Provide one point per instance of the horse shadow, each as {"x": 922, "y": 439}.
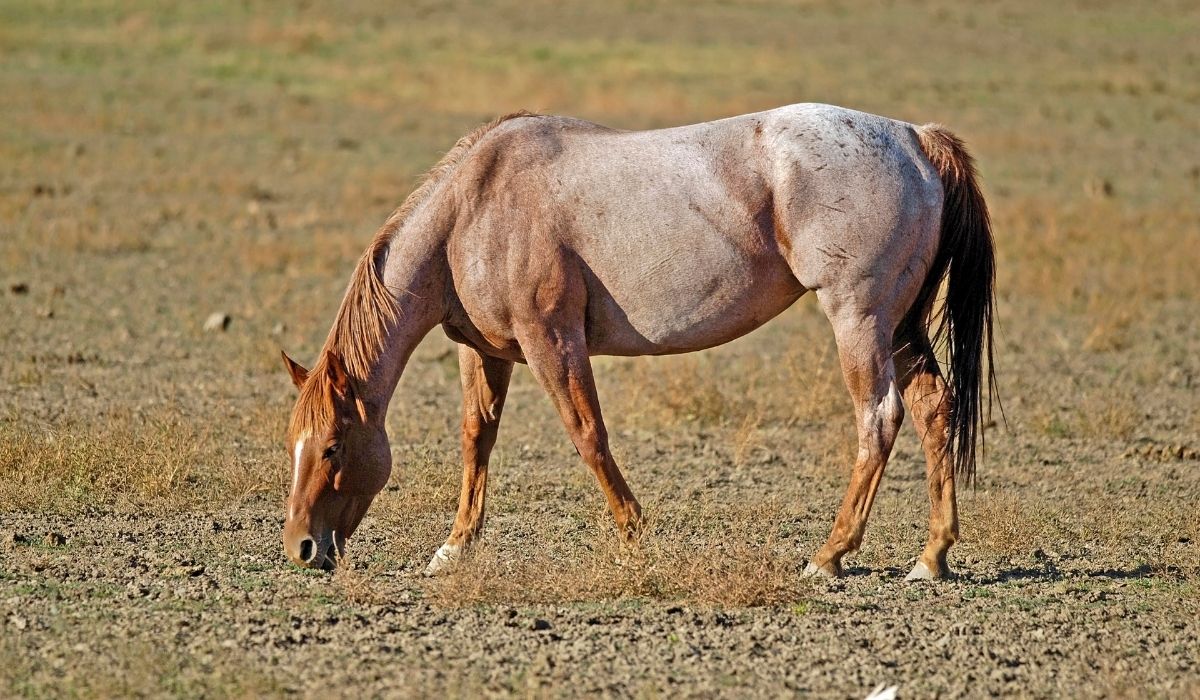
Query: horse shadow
{"x": 1050, "y": 573}
{"x": 1044, "y": 573}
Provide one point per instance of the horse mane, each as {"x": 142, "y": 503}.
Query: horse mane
{"x": 369, "y": 307}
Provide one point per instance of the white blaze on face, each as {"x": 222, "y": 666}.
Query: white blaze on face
{"x": 296, "y": 474}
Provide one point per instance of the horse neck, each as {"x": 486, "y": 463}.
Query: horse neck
{"x": 415, "y": 274}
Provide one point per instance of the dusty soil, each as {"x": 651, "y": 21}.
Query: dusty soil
{"x": 1077, "y": 574}
{"x": 158, "y": 167}
{"x": 204, "y": 603}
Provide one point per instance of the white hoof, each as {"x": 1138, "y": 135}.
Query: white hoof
{"x": 442, "y": 559}
{"x": 819, "y": 571}
{"x": 920, "y": 572}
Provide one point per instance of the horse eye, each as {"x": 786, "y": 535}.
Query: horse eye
{"x": 332, "y": 450}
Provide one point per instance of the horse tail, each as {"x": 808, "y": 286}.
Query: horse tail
{"x": 966, "y": 261}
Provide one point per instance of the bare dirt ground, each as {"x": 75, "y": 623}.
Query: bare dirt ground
{"x": 157, "y": 166}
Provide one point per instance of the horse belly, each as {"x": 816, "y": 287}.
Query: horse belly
{"x": 664, "y": 303}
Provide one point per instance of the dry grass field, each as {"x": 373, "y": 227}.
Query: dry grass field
{"x": 161, "y": 163}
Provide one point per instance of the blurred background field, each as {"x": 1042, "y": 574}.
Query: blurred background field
{"x": 159, "y": 163}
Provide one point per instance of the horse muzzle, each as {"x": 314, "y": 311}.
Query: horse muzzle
{"x": 310, "y": 551}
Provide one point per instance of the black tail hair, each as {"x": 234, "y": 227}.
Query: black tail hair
{"x": 966, "y": 260}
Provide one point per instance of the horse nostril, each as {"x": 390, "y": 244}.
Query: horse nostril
{"x": 308, "y": 550}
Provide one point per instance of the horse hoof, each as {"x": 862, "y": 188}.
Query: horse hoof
{"x": 922, "y": 572}
{"x": 442, "y": 559}
{"x": 812, "y": 570}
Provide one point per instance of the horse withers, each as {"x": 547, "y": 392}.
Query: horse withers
{"x": 546, "y": 240}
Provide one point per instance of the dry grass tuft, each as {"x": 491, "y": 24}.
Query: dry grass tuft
{"x": 747, "y": 438}
{"x": 679, "y": 390}
{"x": 131, "y": 462}
{"x": 1109, "y": 413}
{"x": 728, "y": 559}
{"x": 1159, "y": 533}
{"x": 745, "y": 575}
{"x": 813, "y": 382}
{"x": 358, "y": 585}
{"x": 1001, "y": 523}
{"x": 1111, "y": 327}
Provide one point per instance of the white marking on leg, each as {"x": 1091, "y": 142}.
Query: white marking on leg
{"x": 920, "y": 572}
{"x": 813, "y": 570}
{"x": 442, "y": 558}
{"x": 296, "y": 475}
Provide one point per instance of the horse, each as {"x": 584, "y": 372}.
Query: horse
{"x": 546, "y": 240}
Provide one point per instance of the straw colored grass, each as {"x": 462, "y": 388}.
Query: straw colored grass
{"x": 130, "y": 462}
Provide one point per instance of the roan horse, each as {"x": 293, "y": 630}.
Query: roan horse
{"x": 545, "y": 240}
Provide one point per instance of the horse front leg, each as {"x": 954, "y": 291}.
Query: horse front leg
{"x": 560, "y": 362}
{"x": 484, "y": 385}
{"x": 864, "y": 348}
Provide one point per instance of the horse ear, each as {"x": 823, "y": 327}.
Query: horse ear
{"x": 297, "y": 372}
{"x": 338, "y": 376}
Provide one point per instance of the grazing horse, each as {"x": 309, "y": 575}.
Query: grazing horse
{"x": 546, "y": 240}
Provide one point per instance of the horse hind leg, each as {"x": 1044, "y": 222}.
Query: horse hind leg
{"x": 864, "y": 343}
{"x": 928, "y": 400}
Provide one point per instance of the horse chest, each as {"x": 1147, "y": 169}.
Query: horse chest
{"x": 460, "y": 329}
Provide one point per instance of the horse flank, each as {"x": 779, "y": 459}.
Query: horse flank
{"x": 369, "y": 307}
